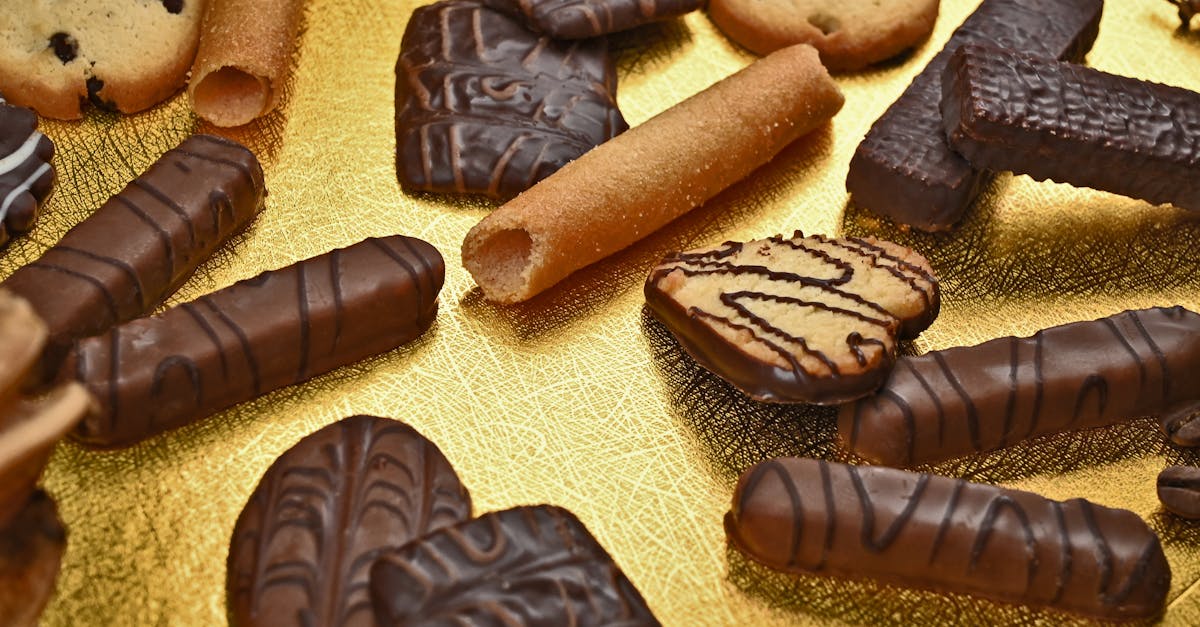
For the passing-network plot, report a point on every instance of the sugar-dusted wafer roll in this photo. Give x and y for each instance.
(245, 49)
(1076, 376)
(948, 535)
(277, 329)
(138, 248)
(628, 187)
(1005, 110)
(904, 168)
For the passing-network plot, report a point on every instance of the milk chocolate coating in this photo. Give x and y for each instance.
(303, 546)
(948, 535)
(486, 106)
(1076, 376)
(26, 171)
(532, 566)
(142, 244)
(904, 168)
(31, 549)
(580, 19)
(1005, 110)
(1181, 423)
(1179, 490)
(277, 329)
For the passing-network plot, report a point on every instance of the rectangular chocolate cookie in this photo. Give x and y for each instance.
(1006, 110)
(904, 169)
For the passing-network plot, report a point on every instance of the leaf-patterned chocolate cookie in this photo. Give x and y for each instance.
(26, 173)
(486, 106)
(322, 514)
(806, 319)
(527, 566)
(579, 19)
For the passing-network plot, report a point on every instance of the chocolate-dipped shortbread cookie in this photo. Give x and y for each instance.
(949, 535)
(486, 106)
(303, 547)
(531, 566)
(807, 319)
(26, 171)
(580, 19)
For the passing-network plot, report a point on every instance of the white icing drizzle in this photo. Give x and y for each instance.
(20, 155)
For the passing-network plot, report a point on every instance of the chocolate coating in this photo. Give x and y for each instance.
(31, 549)
(1076, 376)
(579, 19)
(904, 169)
(303, 546)
(1005, 110)
(531, 566)
(124, 260)
(277, 329)
(486, 106)
(26, 171)
(1179, 490)
(949, 535)
(1181, 423)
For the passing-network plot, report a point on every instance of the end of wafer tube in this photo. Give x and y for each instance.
(230, 96)
(501, 263)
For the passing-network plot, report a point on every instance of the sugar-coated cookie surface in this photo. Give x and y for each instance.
(850, 34)
(26, 172)
(806, 319)
(127, 55)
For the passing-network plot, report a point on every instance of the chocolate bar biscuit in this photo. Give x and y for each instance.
(277, 329)
(1076, 376)
(904, 169)
(486, 106)
(948, 535)
(26, 171)
(531, 566)
(1006, 110)
(303, 546)
(138, 248)
(580, 19)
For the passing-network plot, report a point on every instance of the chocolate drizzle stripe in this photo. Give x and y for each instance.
(114, 364)
(217, 201)
(972, 412)
(335, 280)
(177, 361)
(1158, 355)
(1039, 382)
(830, 514)
(762, 325)
(210, 332)
(163, 236)
(305, 320)
(940, 538)
(987, 526)
(109, 300)
(1064, 539)
(868, 509)
(169, 203)
(405, 265)
(1097, 383)
(910, 426)
(1010, 405)
(937, 405)
(122, 266)
(1133, 354)
(1104, 556)
(426, 270)
(244, 168)
(247, 349)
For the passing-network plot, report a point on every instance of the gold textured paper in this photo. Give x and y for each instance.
(579, 398)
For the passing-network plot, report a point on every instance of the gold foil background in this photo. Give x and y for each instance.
(579, 398)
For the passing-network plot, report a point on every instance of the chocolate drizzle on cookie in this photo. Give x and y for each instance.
(804, 319)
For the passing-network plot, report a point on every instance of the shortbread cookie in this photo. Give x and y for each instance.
(850, 34)
(26, 173)
(579, 19)
(807, 319)
(126, 55)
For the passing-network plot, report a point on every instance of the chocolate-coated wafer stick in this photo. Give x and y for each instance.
(1004, 110)
(904, 169)
(949, 535)
(1076, 376)
(277, 329)
(136, 249)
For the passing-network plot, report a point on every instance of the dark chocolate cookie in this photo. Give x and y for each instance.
(26, 172)
(580, 19)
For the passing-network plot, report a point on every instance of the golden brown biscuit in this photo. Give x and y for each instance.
(850, 34)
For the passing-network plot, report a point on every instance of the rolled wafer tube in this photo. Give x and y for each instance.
(277, 329)
(125, 259)
(245, 50)
(949, 535)
(630, 186)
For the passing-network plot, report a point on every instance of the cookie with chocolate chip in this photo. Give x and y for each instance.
(123, 55)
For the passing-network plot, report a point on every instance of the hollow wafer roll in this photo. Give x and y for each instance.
(125, 259)
(904, 168)
(630, 186)
(245, 50)
(948, 535)
(1005, 110)
(1076, 376)
(277, 329)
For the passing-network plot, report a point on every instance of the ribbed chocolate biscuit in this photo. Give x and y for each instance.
(1076, 376)
(277, 329)
(904, 169)
(949, 535)
(303, 547)
(807, 319)
(486, 106)
(125, 259)
(580, 19)
(26, 171)
(531, 566)
(1006, 110)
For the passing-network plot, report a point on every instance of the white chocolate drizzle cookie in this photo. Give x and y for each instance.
(26, 173)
